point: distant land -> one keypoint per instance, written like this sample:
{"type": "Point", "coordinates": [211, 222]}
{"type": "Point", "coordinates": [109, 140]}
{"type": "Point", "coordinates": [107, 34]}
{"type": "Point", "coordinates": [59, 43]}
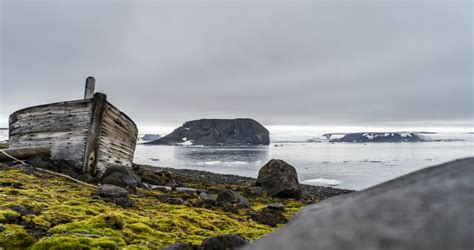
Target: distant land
{"type": "Point", "coordinates": [381, 137]}
{"type": "Point", "coordinates": [151, 137]}
{"type": "Point", "coordinates": [217, 132]}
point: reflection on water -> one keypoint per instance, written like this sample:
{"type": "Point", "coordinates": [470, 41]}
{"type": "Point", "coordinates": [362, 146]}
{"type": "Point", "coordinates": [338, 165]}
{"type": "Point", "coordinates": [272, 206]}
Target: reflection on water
{"type": "Point", "coordinates": [231, 160]}
{"type": "Point", "coordinates": [208, 155]}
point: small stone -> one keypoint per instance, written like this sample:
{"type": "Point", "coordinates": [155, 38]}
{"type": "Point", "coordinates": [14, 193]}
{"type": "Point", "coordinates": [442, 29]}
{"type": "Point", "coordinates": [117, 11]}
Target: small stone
{"type": "Point", "coordinates": [41, 161]}
{"type": "Point", "coordinates": [276, 206]}
{"type": "Point", "coordinates": [209, 198]}
{"type": "Point", "coordinates": [113, 194]}
{"type": "Point", "coordinates": [256, 190]}
{"type": "Point", "coordinates": [110, 191]}
{"type": "Point", "coordinates": [120, 176]}
{"type": "Point", "coordinates": [227, 242]}
{"type": "Point", "coordinates": [269, 216]}
{"type": "Point", "coordinates": [229, 196]}
{"type": "Point", "coordinates": [22, 210]}
{"type": "Point", "coordinates": [171, 200]}
{"type": "Point", "coordinates": [179, 246]}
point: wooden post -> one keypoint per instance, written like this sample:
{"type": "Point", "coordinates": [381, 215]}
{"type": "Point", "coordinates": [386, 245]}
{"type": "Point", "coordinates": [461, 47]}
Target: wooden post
{"type": "Point", "coordinates": [24, 152]}
{"type": "Point", "coordinates": [90, 86]}
{"type": "Point", "coordinates": [92, 145]}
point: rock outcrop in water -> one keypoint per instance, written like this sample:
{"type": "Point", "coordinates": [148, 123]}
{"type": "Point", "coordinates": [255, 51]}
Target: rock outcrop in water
{"type": "Point", "coordinates": [428, 209]}
{"type": "Point", "coordinates": [150, 137]}
{"type": "Point", "coordinates": [382, 137]}
{"type": "Point", "coordinates": [218, 132]}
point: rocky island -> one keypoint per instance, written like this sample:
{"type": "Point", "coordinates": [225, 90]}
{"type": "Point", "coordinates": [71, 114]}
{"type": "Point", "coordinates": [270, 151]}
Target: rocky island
{"type": "Point", "coordinates": [380, 137]}
{"type": "Point", "coordinates": [150, 137]}
{"type": "Point", "coordinates": [217, 132]}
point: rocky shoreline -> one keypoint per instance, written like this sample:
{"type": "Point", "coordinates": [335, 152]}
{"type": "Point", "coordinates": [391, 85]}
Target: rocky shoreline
{"type": "Point", "coordinates": [146, 207]}
{"type": "Point", "coordinates": [45, 204]}
{"type": "Point", "coordinates": [321, 192]}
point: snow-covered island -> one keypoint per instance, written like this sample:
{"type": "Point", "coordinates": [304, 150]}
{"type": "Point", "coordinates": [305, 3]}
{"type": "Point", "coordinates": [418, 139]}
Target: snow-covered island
{"type": "Point", "coordinates": [379, 137]}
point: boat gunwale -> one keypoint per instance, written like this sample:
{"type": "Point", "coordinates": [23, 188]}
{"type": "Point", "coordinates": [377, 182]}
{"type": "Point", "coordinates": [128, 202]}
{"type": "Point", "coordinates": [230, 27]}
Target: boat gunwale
{"type": "Point", "coordinates": [50, 104]}
{"type": "Point", "coordinates": [89, 100]}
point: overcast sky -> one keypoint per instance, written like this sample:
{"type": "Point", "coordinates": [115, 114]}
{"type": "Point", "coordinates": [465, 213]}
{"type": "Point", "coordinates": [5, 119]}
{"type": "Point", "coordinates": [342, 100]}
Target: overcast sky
{"type": "Point", "coordinates": [281, 63]}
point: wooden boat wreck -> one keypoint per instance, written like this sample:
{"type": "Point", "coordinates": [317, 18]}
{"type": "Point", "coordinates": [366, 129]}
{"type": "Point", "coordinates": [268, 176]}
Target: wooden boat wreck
{"type": "Point", "coordinates": [90, 134]}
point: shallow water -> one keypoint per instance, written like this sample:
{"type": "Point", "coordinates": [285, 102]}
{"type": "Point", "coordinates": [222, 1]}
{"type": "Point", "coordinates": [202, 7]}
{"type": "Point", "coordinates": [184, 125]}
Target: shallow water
{"type": "Point", "coordinates": [344, 165]}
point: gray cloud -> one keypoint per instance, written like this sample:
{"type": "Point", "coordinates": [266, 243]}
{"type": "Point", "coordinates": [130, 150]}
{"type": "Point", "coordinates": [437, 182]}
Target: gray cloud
{"type": "Point", "coordinates": [342, 63]}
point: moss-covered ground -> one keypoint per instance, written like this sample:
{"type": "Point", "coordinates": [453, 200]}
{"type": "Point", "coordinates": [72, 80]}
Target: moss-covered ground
{"type": "Point", "coordinates": [57, 213]}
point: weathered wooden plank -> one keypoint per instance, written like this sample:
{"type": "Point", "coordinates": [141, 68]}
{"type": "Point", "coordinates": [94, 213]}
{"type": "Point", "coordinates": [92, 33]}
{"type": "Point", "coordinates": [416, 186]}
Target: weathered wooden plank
{"type": "Point", "coordinates": [50, 136]}
{"type": "Point", "coordinates": [118, 125]}
{"type": "Point", "coordinates": [47, 115]}
{"type": "Point", "coordinates": [92, 145]}
{"type": "Point", "coordinates": [52, 119]}
{"type": "Point", "coordinates": [68, 126]}
{"type": "Point", "coordinates": [60, 126]}
{"type": "Point", "coordinates": [69, 107]}
{"type": "Point", "coordinates": [121, 119]}
{"type": "Point", "coordinates": [105, 162]}
{"type": "Point", "coordinates": [23, 152]}
{"type": "Point", "coordinates": [128, 142]}
{"type": "Point", "coordinates": [112, 141]}
{"type": "Point", "coordinates": [115, 130]}
{"type": "Point", "coordinates": [61, 150]}
{"type": "Point", "coordinates": [90, 87]}
{"type": "Point", "coordinates": [117, 139]}
{"type": "Point", "coordinates": [111, 145]}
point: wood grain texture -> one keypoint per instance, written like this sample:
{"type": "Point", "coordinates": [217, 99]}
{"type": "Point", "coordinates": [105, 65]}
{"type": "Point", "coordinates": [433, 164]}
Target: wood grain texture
{"type": "Point", "coordinates": [90, 134]}
{"type": "Point", "coordinates": [90, 87]}
{"type": "Point", "coordinates": [61, 126]}
{"type": "Point", "coordinates": [99, 103]}
{"type": "Point", "coordinates": [117, 141]}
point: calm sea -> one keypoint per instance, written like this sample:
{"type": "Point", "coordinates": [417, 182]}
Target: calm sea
{"type": "Point", "coordinates": [344, 165]}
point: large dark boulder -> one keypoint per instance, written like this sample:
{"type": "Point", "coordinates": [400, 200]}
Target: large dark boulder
{"type": "Point", "coordinates": [223, 242]}
{"type": "Point", "coordinates": [428, 209]}
{"type": "Point", "coordinates": [121, 176]}
{"type": "Point", "coordinates": [214, 132]}
{"type": "Point", "coordinates": [279, 179]}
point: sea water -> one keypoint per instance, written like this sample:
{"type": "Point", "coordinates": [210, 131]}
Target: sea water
{"type": "Point", "coordinates": [319, 162]}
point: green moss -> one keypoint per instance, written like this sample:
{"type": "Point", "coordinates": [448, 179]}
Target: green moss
{"type": "Point", "coordinates": [8, 214]}
{"type": "Point", "coordinates": [74, 220]}
{"type": "Point", "coordinates": [76, 242]}
{"type": "Point", "coordinates": [15, 236]}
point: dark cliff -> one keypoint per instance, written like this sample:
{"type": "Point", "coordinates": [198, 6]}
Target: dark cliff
{"type": "Point", "coordinates": [215, 132]}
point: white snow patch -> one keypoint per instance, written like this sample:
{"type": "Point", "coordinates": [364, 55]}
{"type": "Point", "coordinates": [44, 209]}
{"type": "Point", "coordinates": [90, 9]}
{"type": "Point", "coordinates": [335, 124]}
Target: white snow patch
{"type": "Point", "coordinates": [222, 163]}
{"type": "Point", "coordinates": [209, 162]}
{"type": "Point", "coordinates": [323, 181]}
{"type": "Point", "coordinates": [187, 143]}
